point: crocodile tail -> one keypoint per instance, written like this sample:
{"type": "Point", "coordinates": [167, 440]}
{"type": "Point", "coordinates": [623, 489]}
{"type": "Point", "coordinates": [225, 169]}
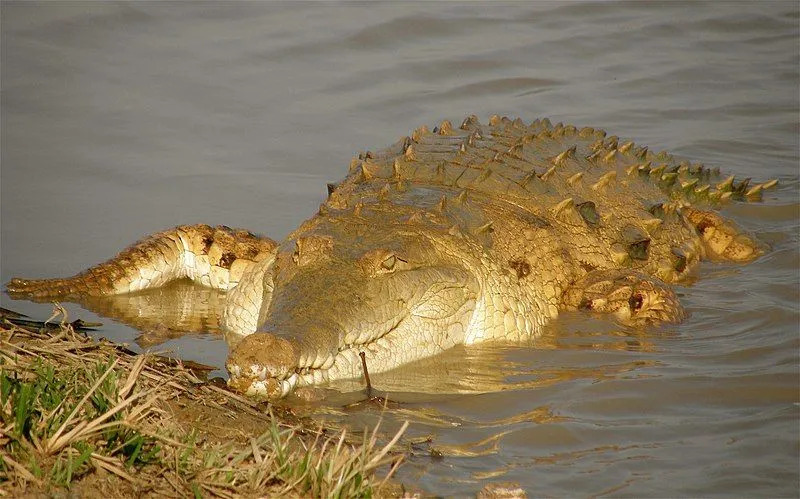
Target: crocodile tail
{"type": "Point", "coordinates": [210, 256]}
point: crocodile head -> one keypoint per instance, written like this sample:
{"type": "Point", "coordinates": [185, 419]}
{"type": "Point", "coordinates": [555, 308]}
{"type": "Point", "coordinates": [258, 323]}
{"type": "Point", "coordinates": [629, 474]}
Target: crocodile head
{"type": "Point", "coordinates": [388, 292]}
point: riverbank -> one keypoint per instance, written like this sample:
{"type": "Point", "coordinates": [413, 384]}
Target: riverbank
{"type": "Point", "coordinates": [94, 419]}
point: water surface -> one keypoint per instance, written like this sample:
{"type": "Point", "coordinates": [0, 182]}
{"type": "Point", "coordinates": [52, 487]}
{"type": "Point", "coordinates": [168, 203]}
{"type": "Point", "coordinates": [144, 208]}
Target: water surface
{"type": "Point", "coordinates": [122, 119]}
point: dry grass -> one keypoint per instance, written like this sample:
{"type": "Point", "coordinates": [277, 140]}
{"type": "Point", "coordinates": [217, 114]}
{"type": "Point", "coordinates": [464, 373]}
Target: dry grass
{"type": "Point", "coordinates": [93, 418]}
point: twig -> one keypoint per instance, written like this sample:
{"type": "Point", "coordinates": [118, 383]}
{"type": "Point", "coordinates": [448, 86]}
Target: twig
{"type": "Point", "coordinates": [366, 373]}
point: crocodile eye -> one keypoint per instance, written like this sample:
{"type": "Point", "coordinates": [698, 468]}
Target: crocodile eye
{"type": "Point", "coordinates": [389, 262]}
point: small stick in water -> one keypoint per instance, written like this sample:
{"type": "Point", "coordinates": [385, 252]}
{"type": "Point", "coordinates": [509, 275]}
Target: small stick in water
{"type": "Point", "coordinates": [366, 373]}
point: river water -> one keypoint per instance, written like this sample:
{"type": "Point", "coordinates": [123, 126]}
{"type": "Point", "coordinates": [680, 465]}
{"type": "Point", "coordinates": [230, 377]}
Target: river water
{"type": "Point", "coordinates": [123, 119]}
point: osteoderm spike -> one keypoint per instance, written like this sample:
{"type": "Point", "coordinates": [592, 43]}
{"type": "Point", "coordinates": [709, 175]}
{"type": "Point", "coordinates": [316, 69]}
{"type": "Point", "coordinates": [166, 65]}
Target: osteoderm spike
{"type": "Point", "coordinates": [445, 128]}
{"type": "Point", "coordinates": [419, 133]}
{"type": "Point", "coordinates": [611, 156]}
{"type": "Point", "coordinates": [619, 254]}
{"type": "Point", "coordinates": [755, 191]}
{"type": "Point", "coordinates": [669, 178]}
{"type": "Point", "coordinates": [603, 181]}
{"type": "Point", "coordinates": [575, 178]}
{"type": "Point", "coordinates": [596, 145]}
{"type": "Point", "coordinates": [742, 187]}
{"type": "Point", "coordinates": [642, 153]}
{"type": "Point", "coordinates": [546, 123]}
{"type": "Point", "coordinates": [588, 211]}
{"type": "Point", "coordinates": [658, 170]}
{"type": "Point", "coordinates": [411, 153]}
{"type": "Point", "coordinates": [625, 147]}
{"type": "Point", "coordinates": [725, 196]}
{"type": "Point", "coordinates": [515, 150]}
{"type": "Point", "coordinates": [594, 155]}
{"type": "Point", "coordinates": [702, 190]}
{"type": "Point", "coordinates": [726, 184]}
{"type": "Point", "coordinates": [637, 168]}
{"type": "Point", "coordinates": [770, 183]}
{"type": "Point", "coordinates": [688, 184]}
{"type": "Point", "coordinates": [586, 131]}
{"type": "Point", "coordinates": [354, 163]}
{"type": "Point", "coordinates": [549, 173]}
{"type": "Point", "coordinates": [494, 120]}
{"type": "Point", "coordinates": [462, 147]}
{"type": "Point", "coordinates": [569, 153]}
{"type": "Point", "coordinates": [369, 170]}
{"type": "Point", "coordinates": [469, 122]}
{"type": "Point", "coordinates": [644, 168]}
{"type": "Point", "coordinates": [679, 259]}
{"type": "Point", "coordinates": [563, 205]}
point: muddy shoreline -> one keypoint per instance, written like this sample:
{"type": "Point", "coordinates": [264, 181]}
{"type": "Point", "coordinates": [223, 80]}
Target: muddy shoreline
{"type": "Point", "coordinates": [92, 418]}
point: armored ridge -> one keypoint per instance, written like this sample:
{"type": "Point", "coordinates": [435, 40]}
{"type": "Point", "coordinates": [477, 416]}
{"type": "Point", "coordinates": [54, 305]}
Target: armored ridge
{"type": "Point", "coordinates": [484, 232]}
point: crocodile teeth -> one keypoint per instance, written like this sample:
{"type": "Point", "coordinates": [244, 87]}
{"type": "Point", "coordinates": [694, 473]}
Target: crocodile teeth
{"type": "Point", "coordinates": [287, 385]}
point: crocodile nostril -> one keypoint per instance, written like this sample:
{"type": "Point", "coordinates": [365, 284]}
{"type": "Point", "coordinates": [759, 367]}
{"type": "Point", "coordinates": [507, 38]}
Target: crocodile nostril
{"type": "Point", "coordinates": [264, 351]}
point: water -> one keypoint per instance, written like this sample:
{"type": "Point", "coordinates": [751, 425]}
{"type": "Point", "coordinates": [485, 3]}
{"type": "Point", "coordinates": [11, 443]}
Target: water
{"type": "Point", "coordinates": [122, 119]}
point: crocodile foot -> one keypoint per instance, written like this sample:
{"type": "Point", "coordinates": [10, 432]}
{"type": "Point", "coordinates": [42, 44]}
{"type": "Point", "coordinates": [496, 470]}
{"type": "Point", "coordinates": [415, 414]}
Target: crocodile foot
{"type": "Point", "coordinates": [722, 240]}
{"type": "Point", "coordinates": [634, 298]}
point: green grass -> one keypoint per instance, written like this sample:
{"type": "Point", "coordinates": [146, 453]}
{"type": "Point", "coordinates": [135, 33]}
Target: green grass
{"type": "Point", "coordinates": [73, 410]}
{"type": "Point", "coordinates": [63, 414]}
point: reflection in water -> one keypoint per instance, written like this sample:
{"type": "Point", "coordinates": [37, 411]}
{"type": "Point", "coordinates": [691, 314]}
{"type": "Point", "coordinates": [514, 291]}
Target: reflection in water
{"type": "Point", "coordinates": [165, 313]}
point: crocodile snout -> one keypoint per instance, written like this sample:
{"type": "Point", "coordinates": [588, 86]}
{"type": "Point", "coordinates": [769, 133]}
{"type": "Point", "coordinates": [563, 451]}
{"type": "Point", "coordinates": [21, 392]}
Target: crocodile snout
{"type": "Point", "coordinates": [263, 365]}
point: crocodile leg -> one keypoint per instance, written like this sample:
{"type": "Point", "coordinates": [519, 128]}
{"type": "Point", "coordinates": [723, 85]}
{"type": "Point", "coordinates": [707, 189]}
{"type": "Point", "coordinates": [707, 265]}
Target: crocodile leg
{"type": "Point", "coordinates": [215, 257]}
{"type": "Point", "coordinates": [634, 298]}
{"type": "Point", "coordinates": [722, 240]}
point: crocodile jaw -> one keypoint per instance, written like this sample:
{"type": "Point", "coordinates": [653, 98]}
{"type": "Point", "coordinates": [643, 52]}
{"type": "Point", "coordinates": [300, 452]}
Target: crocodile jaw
{"type": "Point", "coordinates": [267, 366]}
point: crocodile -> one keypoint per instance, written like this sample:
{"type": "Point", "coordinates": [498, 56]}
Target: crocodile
{"type": "Point", "coordinates": [452, 235]}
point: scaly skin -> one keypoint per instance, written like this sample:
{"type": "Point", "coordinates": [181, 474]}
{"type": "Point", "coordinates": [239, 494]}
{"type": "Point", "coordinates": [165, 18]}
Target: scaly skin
{"type": "Point", "coordinates": [450, 236]}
